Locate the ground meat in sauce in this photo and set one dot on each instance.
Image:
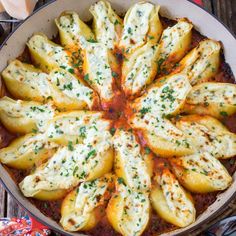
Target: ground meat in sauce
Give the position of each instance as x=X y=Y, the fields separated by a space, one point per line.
x=156 y=225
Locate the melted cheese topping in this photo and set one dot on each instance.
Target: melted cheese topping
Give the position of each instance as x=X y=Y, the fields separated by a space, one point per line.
x=131 y=161
x=220 y=93
x=88 y=196
x=180 y=209
x=207 y=169
x=172 y=37
x=137 y=25
x=202 y=62
x=158 y=131
x=36 y=85
x=165 y=97
x=105 y=22
x=139 y=69
x=165 y=129
x=216 y=99
x=52 y=53
x=70 y=86
x=208 y=134
x=33 y=111
x=68 y=167
x=77 y=126
x=28 y=75
x=71 y=27
x=99 y=73
x=135 y=211
x=28 y=145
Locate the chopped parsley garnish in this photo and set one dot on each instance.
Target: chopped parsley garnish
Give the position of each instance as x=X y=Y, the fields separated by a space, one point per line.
x=71 y=70
x=58 y=82
x=116 y=22
x=147 y=150
x=68 y=86
x=92 y=40
x=159 y=63
x=112 y=130
x=91 y=154
x=151 y=37
x=145 y=110
x=114 y=74
x=34 y=131
x=82 y=132
x=75 y=170
x=129 y=30
x=224 y=113
x=37 y=109
x=86 y=77
x=121 y=181
x=70 y=146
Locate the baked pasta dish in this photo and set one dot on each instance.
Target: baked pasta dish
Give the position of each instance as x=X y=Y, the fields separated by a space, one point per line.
x=121 y=125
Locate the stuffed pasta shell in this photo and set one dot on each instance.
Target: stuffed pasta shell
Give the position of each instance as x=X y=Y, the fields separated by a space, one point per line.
x=27 y=151
x=201 y=173
x=174 y=44
x=62 y=88
x=24 y=81
x=139 y=69
x=23 y=116
x=100 y=68
x=202 y=63
x=164 y=97
x=128 y=211
x=48 y=55
x=171 y=201
x=131 y=164
x=70 y=93
x=214 y=99
x=209 y=135
x=83 y=208
x=107 y=24
x=162 y=137
x=77 y=127
x=68 y=167
x=141 y=25
x=70 y=27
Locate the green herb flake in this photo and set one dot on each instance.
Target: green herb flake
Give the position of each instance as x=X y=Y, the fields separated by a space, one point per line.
x=71 y=70
x=86 y=77
x=147 y=150
x=112 y=131
x=223 y=113
x=70 y=146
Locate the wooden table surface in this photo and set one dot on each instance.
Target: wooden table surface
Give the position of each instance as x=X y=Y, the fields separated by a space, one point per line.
x=225 y=10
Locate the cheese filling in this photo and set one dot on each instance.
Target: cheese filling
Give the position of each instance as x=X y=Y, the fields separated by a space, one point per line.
x=140 y=69
x=67 y=168
x=136 y=25
x=99 y=73
x=71 y=86
x=105 y=21
x=208 y=167
x=219 y=143
x=40 y=114
x=165 y=98
x=132 y=161
x=135 y=214
x=77 y=126
x=51 y=52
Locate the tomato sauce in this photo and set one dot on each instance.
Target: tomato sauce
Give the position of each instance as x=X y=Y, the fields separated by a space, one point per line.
x=119 y=111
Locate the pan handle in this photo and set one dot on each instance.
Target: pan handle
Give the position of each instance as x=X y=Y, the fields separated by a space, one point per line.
x=225 y=227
